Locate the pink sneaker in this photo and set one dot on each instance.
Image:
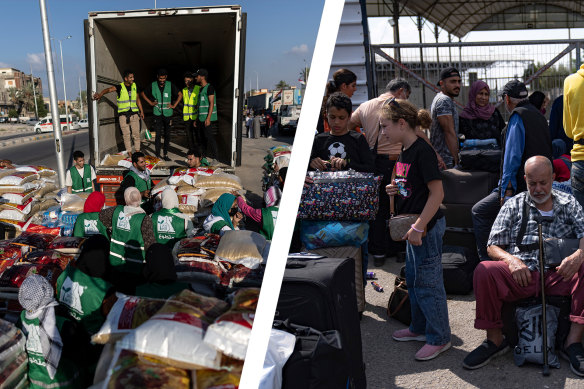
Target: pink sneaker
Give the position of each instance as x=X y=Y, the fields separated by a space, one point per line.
x=429 y=351
x=406 y=335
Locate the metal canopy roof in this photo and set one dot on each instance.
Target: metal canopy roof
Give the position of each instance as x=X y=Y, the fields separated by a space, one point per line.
x=459 y=17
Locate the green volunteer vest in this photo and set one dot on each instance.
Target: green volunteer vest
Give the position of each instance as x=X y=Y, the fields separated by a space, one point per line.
x=191 y=102
x=163 y=101
x=204 y=105
x=127 y=102
x=140 y=183
x=160 y=291
x=269 y=216
x=81 y=184
x=167 y=226
x=88 y=224
x=67 y=375
x=127 y=244
x=83 y=296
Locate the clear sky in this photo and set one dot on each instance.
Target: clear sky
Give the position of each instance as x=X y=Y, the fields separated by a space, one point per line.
x=280 y=36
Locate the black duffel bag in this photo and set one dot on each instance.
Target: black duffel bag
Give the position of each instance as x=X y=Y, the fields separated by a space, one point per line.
x=480 y=160
x=318 y=359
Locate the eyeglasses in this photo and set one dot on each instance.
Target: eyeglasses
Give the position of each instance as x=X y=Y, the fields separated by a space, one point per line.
x=389 y=101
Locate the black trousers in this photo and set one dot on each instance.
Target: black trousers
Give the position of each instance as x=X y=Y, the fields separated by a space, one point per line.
x=191 y=133
x=209 y=133
x=162 y=124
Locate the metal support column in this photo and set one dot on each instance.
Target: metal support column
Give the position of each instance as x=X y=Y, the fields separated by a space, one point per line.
x=437 y=49
x=396 y=40
x=423 y=70
x=578 y=57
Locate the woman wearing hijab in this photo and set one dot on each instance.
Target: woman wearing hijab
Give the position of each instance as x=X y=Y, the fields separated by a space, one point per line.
x=47 y=366
x=82 y=287
x=131 y=233
x=224 y=215
x=266 y=217
x=170 y=225
x=539 y=100
x=88 y=223
x=159 y=274
x=479 y=119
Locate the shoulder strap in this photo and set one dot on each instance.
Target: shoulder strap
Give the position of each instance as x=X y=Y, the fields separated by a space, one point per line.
x=392 y=198
x=522 y=228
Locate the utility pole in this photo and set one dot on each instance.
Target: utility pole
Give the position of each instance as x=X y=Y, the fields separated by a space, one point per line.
x=423 y=73
x=80 y=99
x=53 y=94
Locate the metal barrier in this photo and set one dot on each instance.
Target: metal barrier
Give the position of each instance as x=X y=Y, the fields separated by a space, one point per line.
x=542 y=65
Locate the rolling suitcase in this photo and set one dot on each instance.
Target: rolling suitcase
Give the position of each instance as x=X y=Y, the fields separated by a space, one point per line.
x=458 y=264
x=320 y=293
x=457 y=215
x=464 y=187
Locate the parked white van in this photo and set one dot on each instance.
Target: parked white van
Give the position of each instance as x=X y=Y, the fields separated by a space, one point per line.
x=46 y=124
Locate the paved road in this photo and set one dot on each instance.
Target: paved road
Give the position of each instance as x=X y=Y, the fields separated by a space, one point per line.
x=42 y=152
x=20 y=135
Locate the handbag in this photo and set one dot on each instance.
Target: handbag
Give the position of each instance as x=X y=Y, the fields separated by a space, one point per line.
x=398 y=306
x=399 y=225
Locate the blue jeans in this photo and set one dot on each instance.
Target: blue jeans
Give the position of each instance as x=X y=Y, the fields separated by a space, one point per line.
x=426 y=287
x=577 y=179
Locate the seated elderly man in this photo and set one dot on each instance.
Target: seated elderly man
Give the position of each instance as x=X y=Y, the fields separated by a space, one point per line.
x=513 y=273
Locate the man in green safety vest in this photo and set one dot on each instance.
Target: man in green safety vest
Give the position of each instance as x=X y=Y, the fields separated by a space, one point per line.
x=139 y=177
x=190 y=96
x=207 y=112
x=129 y=109
x=160 y=96
x=80 y=176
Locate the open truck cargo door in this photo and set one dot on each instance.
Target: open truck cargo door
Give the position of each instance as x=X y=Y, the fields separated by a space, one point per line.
x=179 y=40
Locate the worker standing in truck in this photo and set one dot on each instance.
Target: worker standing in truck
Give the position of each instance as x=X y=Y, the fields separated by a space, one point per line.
x=129 y=109
x=207 y=111
x=190 y=96
x=160 y=98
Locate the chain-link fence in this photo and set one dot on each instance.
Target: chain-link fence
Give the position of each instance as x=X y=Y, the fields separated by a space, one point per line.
x=542 y=65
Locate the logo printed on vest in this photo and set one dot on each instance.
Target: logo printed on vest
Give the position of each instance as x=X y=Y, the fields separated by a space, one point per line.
x=123 y=221
x=90 y=227
x=71 y=294
x=274 y=215
x=165 y=224
x=33 y=339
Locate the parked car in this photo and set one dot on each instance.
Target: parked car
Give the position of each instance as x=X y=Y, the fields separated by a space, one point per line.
x=75 y=126
x=83 y=123
x=31 y=122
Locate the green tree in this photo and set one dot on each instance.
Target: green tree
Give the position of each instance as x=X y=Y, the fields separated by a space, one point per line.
x=304 y=74
x=282 y=85
x=41 y=107
x=549 y=79
x=13 y=113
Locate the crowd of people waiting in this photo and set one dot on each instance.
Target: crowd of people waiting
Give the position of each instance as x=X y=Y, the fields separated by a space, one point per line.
x=386 y=136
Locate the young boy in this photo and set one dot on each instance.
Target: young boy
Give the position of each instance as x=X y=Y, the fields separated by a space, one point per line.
x=340 y=149
x=80 y=176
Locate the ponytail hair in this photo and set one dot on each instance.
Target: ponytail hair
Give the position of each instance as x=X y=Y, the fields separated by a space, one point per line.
x=394 y=110
x=340 y=77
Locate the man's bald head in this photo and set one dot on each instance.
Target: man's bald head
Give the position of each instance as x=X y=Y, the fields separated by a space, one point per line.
x=538 y=163
x=539 y=176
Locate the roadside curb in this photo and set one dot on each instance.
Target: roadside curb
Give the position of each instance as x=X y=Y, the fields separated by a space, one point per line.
x=33 y=138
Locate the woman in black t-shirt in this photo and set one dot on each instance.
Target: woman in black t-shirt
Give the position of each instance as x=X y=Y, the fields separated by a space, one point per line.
x=418 y=189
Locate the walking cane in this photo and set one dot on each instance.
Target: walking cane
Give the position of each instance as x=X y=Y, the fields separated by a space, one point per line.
x=546 y=366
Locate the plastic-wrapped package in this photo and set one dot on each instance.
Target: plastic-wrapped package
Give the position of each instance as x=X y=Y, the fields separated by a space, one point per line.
x=51 y=216
x=34 y=240
x=19 y=178
x=231 y=331
x=241 y=247
x=343 y=195
x=530 y=345
x=48 y=256
x=15 y=275
x=18 y=198
x=68 y=218
x=175 y=333
x=218 y=180
x=131 y=370
x=161 y=186
x=187 y=175
x=43 y=171
x=151 y=162
x=199 y=246
x=216 y=379
x=316 y=234
x=72 y=202
x=280 y=347
x=45 y=189
x=67 y=245
x=189 y=190
x=211 y=195
x=126 y=314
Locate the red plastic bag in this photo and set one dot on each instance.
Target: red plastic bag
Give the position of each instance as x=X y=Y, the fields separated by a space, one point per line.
x=31 y=239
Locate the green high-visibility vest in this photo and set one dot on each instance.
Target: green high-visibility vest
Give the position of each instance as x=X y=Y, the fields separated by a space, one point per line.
x=204 y=105
x=269 y=216
x=67 y=375
x=88 y=224
x=163 y=100
x=191 y=102
x=127 y=102
x=140 y=183
x=81 y=184
x=83 y=296
x=168 y=227
x=127 y=244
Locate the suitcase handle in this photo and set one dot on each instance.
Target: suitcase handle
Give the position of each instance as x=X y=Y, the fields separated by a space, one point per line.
x=295 y=265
